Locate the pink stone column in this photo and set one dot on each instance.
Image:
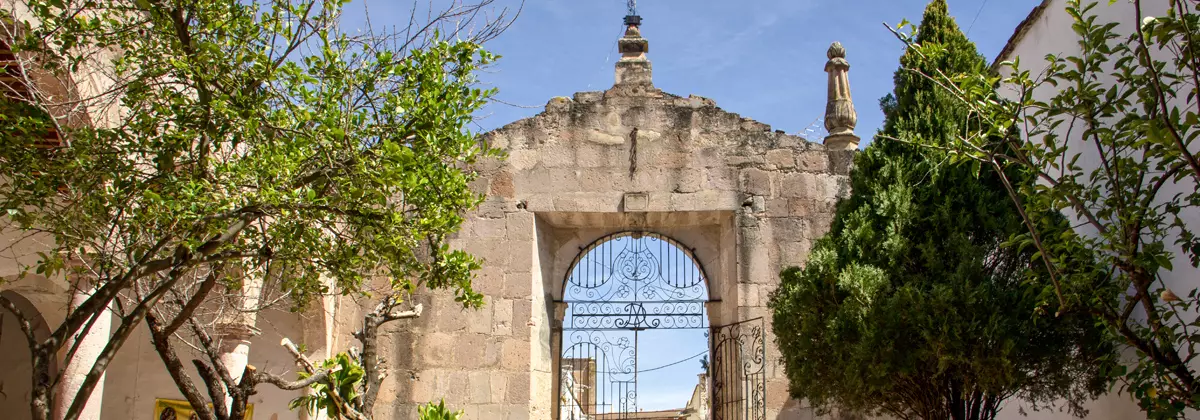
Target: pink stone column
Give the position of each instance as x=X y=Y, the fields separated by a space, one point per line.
x=90 y=347
x=235 y=350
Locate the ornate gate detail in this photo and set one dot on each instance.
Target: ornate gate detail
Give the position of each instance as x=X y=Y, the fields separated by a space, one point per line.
x=620 y=285
x=738 y=371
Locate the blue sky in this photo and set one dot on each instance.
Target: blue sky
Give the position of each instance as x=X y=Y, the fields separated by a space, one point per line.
x=763 y=59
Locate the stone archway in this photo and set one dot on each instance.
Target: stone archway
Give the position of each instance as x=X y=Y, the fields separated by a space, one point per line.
x=748 y=199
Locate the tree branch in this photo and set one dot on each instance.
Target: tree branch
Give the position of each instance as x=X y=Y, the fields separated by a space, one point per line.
x=162 y=343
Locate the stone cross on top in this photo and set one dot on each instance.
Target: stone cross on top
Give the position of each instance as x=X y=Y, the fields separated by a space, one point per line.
x=632 y=17
x=633 y=67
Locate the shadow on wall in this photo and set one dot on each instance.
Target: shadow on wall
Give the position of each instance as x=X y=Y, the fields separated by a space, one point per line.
x=15 y=386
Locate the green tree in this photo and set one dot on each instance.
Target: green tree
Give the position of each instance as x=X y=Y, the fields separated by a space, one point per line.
x=1110 y=134
x=912 y=305
x=205 y=146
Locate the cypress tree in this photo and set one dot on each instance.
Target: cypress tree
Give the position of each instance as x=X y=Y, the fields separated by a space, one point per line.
x=912 y=305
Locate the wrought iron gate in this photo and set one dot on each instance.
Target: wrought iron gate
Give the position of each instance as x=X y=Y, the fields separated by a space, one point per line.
x=619 y=286
x=738 y=371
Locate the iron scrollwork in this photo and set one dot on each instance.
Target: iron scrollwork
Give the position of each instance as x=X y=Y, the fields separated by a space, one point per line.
x=598 y=374
x=635 y=281
x=618 y=286
x=739 y=371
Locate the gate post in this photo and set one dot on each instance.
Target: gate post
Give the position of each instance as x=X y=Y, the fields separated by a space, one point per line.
x=556 y=339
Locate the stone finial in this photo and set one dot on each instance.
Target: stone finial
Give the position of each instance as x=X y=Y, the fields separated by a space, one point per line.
x=840 y=117
x=633 y=67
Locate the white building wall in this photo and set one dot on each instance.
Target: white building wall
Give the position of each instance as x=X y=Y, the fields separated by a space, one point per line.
x=1048 y=31
x=137 y=376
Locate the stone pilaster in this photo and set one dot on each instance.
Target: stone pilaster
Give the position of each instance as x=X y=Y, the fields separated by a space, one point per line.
x=90 y=345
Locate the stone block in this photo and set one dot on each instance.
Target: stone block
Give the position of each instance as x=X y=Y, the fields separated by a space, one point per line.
x=489 y=281
x=588 y=155
x=588 y=97
x=449 y=316
x=519 y=412
x=781 y=158
x=604 y=138
x=493 y=252
x=480 y=320
x=756 y=182
x=690 y=180
x=794 y=185
x=496 y=206
x=747 y=295
x=520 y=254
x=707 y=158
x=840 y=162
x=469 y=350
x=754 y=126
x=483 y=227
x=820 y=223
x=547 y=180
x=592 y=202
x=542 y=385
x=499 y=386
x=557 y=156
x=523 y=159
x=790 y=228
x=436 y=349
x=704 y=200
x=522 y=317
x=518 y=285
x=777 y=207
x=794 y=253
x=558 y=104
x=659 y=202
x=479 y=185
x=517 y=391
x=493 y=352
x=502 y=317
x=724 y=179
x=514 y=355
x=481 y=388
x=802 y=207
x=501 y=185
x=666 y=159
x=603 y=180
x=519 y=226
x=746 y=161
x=538 y=202
x=813 y=161
x=457 y=389
x=652 y=179
x=777 y=393
x=419 y=390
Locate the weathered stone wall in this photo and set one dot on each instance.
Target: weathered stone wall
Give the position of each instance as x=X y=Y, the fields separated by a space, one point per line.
x=748 y=199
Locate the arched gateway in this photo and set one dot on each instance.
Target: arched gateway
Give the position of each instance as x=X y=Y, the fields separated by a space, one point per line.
x=614 y=215
x=632 y=283
x=619 y=288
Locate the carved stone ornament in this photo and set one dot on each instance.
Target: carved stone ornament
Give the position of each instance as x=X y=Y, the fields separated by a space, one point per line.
x=840 y=118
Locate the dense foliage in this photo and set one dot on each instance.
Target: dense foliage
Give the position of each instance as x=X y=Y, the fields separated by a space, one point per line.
x=215 y=150
x=912 y=305
x=1110 y=133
